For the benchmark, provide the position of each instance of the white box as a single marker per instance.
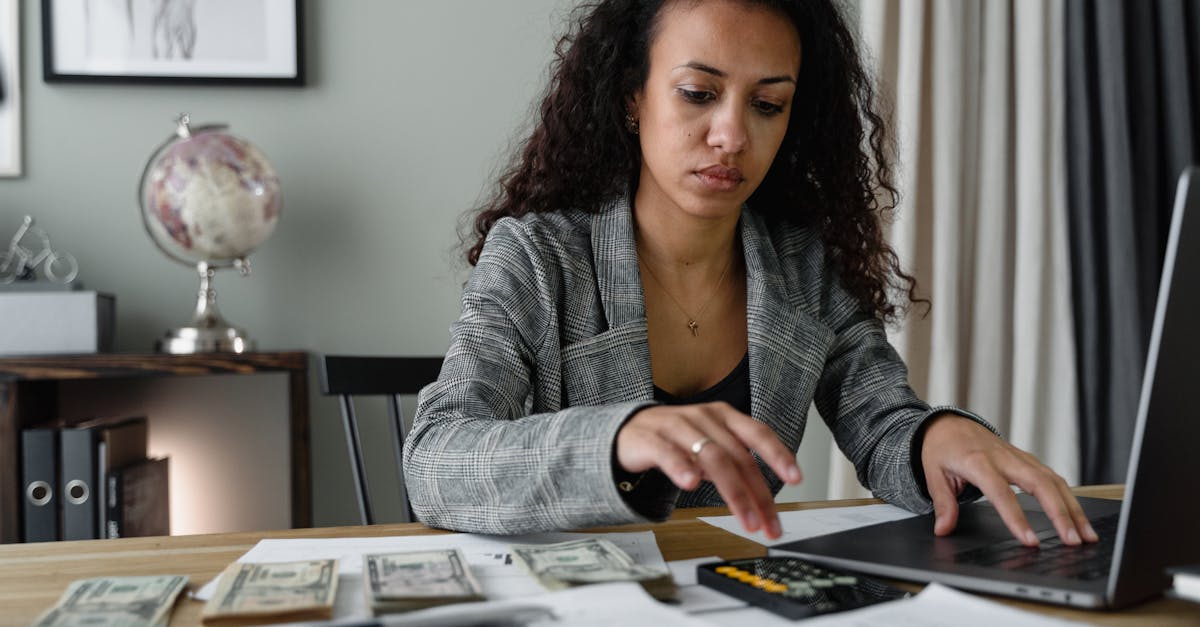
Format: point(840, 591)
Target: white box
point(56, 322)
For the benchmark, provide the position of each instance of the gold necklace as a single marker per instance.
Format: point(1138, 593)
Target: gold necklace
point(692, 323)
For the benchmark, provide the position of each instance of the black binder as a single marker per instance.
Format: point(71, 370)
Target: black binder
point(39, 483)
point(80, 515)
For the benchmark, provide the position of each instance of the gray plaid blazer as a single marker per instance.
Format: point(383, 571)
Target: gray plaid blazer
point(550, 357)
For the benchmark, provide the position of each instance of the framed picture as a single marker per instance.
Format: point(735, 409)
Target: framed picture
point(257, 42)
point(10, 88)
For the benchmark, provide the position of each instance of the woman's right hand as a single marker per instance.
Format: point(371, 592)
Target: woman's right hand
point(665, 436)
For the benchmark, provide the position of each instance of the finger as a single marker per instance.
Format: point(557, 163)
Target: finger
point(945, 502)
point(1044, 485)
point(761, 496)
point(722, 469)
point(1081, 520)
point(742, 491)
point(996, 488)
point(1074, 511)
point(760, 438)
point(678, 465)
point(731, 468)
point(714, 423)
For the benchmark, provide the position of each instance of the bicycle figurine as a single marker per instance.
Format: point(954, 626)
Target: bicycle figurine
point(19, 263)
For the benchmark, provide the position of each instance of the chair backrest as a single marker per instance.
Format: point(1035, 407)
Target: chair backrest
point(349, 376)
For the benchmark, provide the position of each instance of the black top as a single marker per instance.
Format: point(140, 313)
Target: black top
point(733, 389)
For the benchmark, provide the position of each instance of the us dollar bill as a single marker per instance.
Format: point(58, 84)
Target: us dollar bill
point(590, 560)
point(297, 590)
point(411, 580)
point(144, 601)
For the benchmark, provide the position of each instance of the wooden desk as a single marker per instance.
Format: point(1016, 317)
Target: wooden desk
point(32, 576)
point(29, 393)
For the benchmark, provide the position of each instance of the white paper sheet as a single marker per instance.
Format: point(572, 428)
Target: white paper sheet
point(939, 606)
point(599, 605)
point(498, 575)
point(810, 523)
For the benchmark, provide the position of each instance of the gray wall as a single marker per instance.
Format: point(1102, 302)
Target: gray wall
point(409, 111)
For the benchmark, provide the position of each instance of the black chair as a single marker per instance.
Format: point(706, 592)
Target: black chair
point(392, 377)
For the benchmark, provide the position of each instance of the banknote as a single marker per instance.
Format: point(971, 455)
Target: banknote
point(294, 590)
point(144, 601)
point(401, 582)
point(590, 560)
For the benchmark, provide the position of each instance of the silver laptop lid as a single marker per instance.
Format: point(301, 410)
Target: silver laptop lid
point(1164, 465)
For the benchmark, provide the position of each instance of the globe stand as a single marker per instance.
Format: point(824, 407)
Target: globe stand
point(209, 332)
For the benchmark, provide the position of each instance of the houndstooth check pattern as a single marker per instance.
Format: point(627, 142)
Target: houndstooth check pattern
point(550, 357)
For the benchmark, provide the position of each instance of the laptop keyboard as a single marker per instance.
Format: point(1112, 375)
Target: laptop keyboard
point(1053, 557)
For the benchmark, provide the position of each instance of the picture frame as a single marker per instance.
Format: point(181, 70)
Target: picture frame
point(10, 88)
point(180, 42)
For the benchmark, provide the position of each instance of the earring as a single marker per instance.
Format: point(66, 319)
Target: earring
point(631, 123)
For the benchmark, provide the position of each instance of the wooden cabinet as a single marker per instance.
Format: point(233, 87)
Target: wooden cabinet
point(29, 390)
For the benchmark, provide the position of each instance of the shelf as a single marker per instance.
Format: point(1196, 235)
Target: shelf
point(136, 365)
point(29, 389)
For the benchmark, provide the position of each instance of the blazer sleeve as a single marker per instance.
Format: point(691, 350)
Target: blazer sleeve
point(477, 460)
point(875, 416)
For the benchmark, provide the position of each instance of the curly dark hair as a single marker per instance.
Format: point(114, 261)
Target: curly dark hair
point(832, 172)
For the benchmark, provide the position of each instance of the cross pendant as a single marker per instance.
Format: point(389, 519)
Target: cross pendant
point(694, 327)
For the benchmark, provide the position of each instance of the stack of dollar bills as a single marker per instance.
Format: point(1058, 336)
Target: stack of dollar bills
point(251, 594)
point(591, 560)
point(413, 580)
point(128, 601)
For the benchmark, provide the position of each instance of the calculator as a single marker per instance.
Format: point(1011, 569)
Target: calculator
point(794, 588)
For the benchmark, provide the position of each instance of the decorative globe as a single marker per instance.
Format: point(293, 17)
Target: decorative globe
point(209, 196)
point(207, 200)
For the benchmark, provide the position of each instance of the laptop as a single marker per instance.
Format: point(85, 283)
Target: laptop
point(1156, 526)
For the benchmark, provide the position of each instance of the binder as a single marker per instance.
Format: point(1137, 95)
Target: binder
point(80, 516)
point(139, 500)
point(117, 444)
point(89, 451)
point(39, 484)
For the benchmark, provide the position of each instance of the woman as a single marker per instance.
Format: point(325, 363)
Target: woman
point(685, 255)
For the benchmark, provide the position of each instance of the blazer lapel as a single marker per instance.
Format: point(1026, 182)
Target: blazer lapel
point(787, 347)
point(614, 365)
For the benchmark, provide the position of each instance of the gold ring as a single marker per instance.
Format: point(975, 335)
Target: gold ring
point(699, 445)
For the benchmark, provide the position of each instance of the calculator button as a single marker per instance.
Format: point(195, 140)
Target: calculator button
point(725, 570)
point(821, 583)
point(845, 580)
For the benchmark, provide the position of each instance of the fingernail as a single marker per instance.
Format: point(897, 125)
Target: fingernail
point(774, 529)
point(1091, 533)
point(687, 477)
point(1073, 537)
point(752, 523)
point(1031, 538)
point(793, 474)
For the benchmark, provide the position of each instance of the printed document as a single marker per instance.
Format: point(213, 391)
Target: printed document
point(810, 523)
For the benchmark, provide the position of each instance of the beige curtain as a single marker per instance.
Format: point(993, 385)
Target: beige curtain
point(977, 97)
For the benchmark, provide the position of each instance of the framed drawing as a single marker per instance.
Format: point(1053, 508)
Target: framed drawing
point(256, 42)
point(10, 88)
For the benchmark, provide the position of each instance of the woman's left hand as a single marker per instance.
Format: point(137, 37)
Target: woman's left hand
point(957, 450)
